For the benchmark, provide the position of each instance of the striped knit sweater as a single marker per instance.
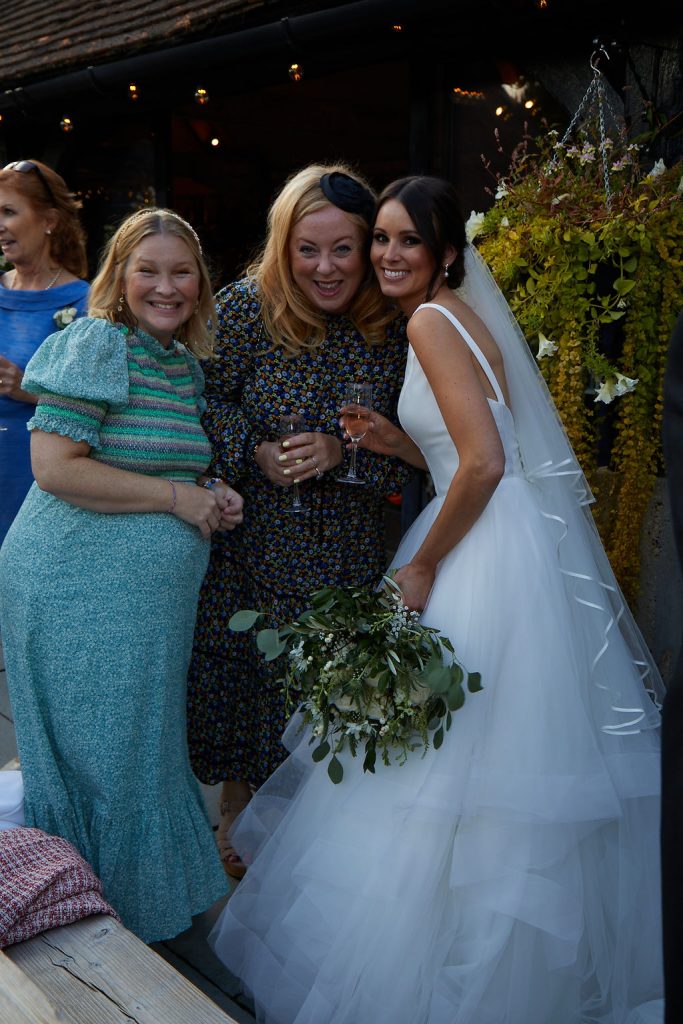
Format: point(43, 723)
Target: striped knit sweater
point(134, 402)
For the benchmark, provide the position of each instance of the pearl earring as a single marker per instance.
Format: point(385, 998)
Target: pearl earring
point(445, 268)
point(48, 231)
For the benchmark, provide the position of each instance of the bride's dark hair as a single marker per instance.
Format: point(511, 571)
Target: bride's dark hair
point(432, 205)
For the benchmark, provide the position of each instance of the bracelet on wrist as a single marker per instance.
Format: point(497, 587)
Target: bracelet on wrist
point(210, 484)
point(174, 497)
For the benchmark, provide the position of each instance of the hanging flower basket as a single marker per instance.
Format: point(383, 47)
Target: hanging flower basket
point(596, 286)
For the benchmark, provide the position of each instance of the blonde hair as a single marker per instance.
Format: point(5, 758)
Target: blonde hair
point(289, 318)
point(45, 190)
point(197, 333)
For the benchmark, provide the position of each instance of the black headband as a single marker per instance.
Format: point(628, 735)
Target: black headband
point(347, 194)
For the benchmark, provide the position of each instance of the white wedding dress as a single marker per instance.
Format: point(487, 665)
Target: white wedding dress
point(511, 877)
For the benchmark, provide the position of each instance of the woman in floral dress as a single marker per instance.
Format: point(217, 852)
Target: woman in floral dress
point(307, 320)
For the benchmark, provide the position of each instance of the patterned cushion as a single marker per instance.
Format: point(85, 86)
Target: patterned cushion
point(44, 883)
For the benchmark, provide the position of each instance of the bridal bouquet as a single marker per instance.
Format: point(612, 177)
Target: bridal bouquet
point(365, 672)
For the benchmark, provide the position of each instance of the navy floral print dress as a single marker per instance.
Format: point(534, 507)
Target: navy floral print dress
point(275, 560)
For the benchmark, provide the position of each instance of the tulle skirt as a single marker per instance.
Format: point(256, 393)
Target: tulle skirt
point(510, 877)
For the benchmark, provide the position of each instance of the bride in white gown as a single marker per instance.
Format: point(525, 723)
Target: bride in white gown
point(512, 876)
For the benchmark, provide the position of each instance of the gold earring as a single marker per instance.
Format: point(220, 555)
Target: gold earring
point(122, 299)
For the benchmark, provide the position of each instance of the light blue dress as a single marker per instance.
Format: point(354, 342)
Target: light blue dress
point(26, 319)
point(97, 613)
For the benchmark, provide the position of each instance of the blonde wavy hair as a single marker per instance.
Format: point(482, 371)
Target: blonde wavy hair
point(289, 318)
point(106, 290)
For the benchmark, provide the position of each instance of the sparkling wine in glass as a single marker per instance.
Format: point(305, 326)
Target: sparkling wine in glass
point(288, 426)
point(358, 403)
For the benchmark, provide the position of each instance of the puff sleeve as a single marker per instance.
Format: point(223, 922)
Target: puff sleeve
point(78, 373)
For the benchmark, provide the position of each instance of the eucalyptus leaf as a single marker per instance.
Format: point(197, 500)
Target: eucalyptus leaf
point(243, 620)
point(455, 697)
point(321, 751)
point(474, 682)
point(438, 738)
point(335, 770)
point(269, 643)
point(439, 679)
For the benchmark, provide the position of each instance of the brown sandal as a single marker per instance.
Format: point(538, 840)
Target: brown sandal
point(233, 864)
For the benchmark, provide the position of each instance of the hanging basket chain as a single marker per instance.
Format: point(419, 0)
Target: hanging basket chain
point(595, 96)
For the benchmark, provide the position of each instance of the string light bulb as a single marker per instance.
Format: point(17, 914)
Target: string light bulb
point(296, 72)
point(528, 104)
point(215, 141)
point(397, 28)
point(66, 124)
point(459, 95)
point(133, 92)
point(499, 111)
point(201, 95)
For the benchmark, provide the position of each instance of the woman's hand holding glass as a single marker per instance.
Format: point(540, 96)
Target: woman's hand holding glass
point(306, 457)
point(386, 438)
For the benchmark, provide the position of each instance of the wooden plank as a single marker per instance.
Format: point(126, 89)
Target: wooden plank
point(97, 972)
point(22, 1002)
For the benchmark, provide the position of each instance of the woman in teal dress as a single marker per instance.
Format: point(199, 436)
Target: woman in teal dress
point(100, 574)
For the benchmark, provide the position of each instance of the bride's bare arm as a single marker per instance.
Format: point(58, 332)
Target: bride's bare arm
point(447, 363)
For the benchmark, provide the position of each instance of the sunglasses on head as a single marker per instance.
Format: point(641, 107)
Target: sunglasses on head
point(24, 166)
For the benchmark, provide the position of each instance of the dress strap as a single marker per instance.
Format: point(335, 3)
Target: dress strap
point(479, 355)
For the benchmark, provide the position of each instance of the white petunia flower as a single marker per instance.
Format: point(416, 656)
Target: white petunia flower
point(658, 169)
point(501, 191)
point(546, 347)
point(607, 391)
point(473, 225)
point(625, 384)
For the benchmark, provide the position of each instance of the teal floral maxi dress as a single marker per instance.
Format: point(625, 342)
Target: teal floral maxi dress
point(96, 613)
point(273, 562)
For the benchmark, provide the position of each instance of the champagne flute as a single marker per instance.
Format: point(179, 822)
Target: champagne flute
point(288, 426)
point(356, 421)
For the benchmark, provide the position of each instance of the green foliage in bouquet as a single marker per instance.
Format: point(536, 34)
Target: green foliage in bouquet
point(572, 261)
point(365, 672)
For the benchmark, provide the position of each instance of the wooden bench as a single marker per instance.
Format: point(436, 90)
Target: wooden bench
point(95, 971)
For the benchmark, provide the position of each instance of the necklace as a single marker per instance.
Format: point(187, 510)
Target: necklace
point(54, 279)
point(47, 286)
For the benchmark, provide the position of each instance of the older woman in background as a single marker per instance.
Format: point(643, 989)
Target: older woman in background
point(43, 241)
point(100, 574)
point(306, 321)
